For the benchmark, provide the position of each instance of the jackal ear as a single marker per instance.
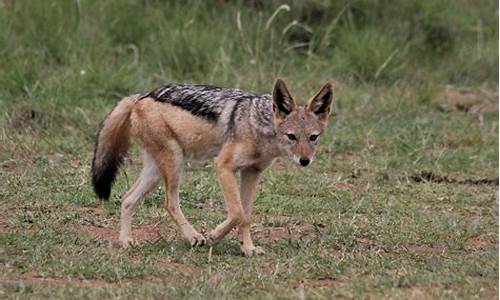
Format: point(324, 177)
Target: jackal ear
point(321, 103)
point(283, 103)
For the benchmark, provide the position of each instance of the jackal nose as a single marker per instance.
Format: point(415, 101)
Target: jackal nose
point(304, 161)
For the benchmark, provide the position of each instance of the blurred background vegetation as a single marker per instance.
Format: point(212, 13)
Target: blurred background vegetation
point(67, 62)
point(73, 50)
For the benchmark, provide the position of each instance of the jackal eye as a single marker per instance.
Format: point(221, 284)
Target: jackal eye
point(313, 137)
point(291, 137)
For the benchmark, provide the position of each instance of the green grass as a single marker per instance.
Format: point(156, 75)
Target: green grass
point(353, 225)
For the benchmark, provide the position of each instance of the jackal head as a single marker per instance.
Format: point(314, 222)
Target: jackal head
point(299, 128)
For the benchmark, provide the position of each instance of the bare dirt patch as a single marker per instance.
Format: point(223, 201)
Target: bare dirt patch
point(5, 229)
point(482, 241)
point(144, 232)
point(7, 267)
point(38, 280)
point(366, 243)
point(94, 283)
point(13, 166)
point(426, 250)
point(319, 283)
point(277, 220)
point(101, 233)
point(429, 176)
point(156, 280)
point(278, 233)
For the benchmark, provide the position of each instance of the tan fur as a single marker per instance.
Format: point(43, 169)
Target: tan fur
point(113, 137)
point(168, 135)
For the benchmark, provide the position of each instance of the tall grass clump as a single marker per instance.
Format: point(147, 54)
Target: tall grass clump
point(74, 52)
point(440, 40)
point(369, 55)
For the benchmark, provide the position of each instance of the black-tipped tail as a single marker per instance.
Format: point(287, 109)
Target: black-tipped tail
point(111, 147)
point(104, 174)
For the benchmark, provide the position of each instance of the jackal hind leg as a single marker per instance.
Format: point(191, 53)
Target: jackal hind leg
point(170, 161)
point(147, 181)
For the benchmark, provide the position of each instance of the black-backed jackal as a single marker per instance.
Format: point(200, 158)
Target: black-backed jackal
point(244, 132)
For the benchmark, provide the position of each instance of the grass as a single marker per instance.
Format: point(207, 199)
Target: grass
point(356, 224)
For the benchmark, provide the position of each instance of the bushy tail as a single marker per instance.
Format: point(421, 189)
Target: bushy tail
point(111, 147)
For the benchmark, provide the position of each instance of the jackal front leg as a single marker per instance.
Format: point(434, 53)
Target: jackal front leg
point(249, 182)
point(229, 185)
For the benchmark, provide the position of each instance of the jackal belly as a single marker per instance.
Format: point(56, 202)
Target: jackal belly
point(200, 145)
point(156, 125)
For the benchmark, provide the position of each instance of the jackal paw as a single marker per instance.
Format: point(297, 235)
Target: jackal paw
point(251, 251)
point(211, 240)
point(197, 240)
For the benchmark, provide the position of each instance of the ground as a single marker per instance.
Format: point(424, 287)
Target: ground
point(400, 202)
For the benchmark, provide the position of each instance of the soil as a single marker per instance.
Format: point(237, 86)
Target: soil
point(319, 282)
point(429, 176)
point(5, 229)
point(482, 241)
point(278, 233)
point(143, 232)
